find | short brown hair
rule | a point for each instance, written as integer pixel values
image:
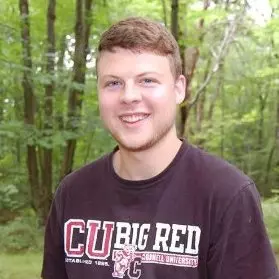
(140, 34)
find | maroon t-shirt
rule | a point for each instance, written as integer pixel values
(198, 219)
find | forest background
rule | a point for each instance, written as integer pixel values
(49, 121)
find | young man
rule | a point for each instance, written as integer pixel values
(155, 207)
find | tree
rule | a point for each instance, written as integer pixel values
(29, 102)
(48, 110)
(82, 32)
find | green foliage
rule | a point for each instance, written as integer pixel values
(271, 214)
(243, 92)
(21, 234)
(21, 266)
(8, 197)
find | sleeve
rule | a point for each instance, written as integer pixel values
(240, 248)
(53, 257)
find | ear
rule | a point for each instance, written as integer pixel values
(180, 87)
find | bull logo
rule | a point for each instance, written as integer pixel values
(126, 261)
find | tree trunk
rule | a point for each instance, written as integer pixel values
(18, 114)
(174, 18)
(87, 24)
(164, 6)
(191, 56)
(29, 102)
(82, 31)
(175, 31)
(48, 111)
(60, 88)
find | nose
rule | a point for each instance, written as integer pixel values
(130, 94)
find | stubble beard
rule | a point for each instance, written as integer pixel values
(157, 136)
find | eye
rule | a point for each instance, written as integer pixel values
(112, 83)
(148, 81)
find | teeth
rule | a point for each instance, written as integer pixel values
(133, 118)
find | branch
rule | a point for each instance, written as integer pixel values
(228, 38)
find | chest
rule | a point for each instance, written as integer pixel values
(137, 235)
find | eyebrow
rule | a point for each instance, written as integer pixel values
(149, 73)
(101, 79)
(139, 75)
(110, 76)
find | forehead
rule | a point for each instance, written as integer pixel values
(123, 61)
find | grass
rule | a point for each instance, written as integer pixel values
(20, 266)
(28, 265)
(25, 266)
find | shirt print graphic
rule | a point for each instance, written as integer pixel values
(126, 260)
(172, 244)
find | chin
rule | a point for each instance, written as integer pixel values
(141, 141)
(136, 146)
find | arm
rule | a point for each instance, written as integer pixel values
(54, 259)
(240, 248)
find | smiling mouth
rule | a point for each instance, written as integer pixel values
(134, 118)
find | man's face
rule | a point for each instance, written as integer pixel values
(137, 97)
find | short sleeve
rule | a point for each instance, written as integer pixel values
(53, 258)
(240, 247)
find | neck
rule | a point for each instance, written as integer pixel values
(148, 163)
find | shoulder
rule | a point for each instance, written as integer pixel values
(213, 168)
(91, 170)
(85, 177)
(213, 177)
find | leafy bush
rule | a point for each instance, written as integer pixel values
(21, 234)
(7, 197)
